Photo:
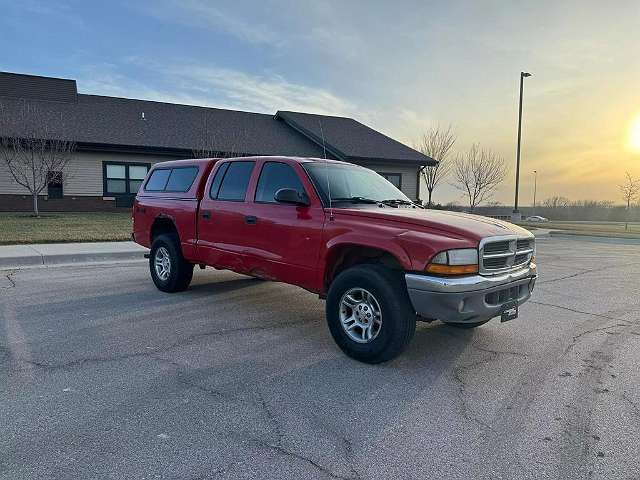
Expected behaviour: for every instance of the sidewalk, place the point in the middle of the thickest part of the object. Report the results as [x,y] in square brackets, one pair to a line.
[12,256]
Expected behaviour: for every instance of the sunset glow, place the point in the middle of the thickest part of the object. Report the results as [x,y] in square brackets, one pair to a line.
[634,134]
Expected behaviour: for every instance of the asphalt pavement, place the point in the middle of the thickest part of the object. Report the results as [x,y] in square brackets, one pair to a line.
[102,376]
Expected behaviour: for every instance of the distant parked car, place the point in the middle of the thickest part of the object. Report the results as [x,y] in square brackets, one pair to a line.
[536,218]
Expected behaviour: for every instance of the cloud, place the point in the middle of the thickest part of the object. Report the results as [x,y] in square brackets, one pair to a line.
[260,92]
[211,86]
[58,13]
[210,16]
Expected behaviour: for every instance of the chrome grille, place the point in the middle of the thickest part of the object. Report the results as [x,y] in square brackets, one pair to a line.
[496,247]
[500,262]
[521,258]
[505,253]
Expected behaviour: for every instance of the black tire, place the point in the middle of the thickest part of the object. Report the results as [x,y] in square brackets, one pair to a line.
[398,317]
[466,326]
[180,272]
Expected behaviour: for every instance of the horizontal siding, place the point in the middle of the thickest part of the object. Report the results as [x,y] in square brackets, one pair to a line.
[408,175]
[83,176]
[84,173]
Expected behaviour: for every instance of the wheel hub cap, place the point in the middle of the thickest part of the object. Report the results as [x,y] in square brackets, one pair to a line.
[162,263]
[360,315]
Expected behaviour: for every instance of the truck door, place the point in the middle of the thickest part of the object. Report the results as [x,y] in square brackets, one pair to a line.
[285,239]
[223,230]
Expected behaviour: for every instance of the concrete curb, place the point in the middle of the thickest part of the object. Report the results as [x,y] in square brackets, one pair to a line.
[16,256]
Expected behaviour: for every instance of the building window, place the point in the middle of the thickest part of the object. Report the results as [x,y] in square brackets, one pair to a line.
[394,178]
[54,185]
[123,178]
[136,176]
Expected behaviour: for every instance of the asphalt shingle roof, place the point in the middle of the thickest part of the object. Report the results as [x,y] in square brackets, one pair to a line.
[93,120]
[349,139]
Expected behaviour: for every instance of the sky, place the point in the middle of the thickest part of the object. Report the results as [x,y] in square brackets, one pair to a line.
[401,67]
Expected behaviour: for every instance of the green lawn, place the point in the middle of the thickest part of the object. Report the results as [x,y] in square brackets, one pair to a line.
[64,227]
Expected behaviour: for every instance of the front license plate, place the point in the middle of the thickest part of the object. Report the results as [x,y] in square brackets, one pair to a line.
[509,311]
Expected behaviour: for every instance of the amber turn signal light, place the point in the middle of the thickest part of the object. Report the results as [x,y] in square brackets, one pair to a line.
[440,269]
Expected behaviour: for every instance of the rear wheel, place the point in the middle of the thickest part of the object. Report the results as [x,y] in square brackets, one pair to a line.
[169,270]
[369,313]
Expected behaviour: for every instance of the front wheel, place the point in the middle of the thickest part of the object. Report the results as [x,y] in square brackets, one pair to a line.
[169,270]
[369,313]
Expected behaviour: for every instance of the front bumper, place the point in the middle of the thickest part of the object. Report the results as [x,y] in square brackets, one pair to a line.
[469,299]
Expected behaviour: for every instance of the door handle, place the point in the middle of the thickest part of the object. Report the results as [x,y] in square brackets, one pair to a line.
[206,214]
[250,220]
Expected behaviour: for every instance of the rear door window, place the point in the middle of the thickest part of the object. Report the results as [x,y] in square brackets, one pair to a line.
[217,180]
[235,182]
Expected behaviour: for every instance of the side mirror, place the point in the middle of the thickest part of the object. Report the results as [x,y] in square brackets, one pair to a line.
[292,197]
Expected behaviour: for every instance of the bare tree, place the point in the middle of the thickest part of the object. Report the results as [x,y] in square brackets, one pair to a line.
[437,144]
[210,142]
[33,152]
[630,190]
[556,202]
[478,173]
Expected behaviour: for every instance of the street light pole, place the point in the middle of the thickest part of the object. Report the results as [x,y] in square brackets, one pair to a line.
[535,188]
[515,207]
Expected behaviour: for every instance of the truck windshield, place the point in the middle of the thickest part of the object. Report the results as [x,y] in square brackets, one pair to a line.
[352,184]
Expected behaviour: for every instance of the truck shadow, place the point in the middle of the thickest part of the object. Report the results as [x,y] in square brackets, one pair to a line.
[223,286]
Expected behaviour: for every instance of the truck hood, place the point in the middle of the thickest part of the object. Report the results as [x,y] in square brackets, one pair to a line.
[463,225]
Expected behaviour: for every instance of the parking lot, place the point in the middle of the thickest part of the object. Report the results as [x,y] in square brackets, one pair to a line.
[103,376]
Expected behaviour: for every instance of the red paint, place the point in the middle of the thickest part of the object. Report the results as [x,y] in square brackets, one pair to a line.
[297,245]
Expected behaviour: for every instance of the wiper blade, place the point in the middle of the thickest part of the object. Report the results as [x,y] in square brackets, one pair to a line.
[399,201]
[355,200]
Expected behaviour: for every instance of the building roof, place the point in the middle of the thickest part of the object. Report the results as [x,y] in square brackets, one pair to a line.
[348,139]
[112,123]
[18,85]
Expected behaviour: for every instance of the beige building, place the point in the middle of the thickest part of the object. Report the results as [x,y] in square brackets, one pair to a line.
[118,139]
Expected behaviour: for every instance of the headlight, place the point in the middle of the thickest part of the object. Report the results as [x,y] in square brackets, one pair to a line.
[454,262]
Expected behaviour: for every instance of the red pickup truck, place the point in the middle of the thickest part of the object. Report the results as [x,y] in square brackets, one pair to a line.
[341,231]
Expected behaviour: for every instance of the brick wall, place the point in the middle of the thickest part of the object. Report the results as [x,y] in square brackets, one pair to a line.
[24,203]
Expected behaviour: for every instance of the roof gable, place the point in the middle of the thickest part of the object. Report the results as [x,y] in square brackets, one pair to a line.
[350,140]
[18,85]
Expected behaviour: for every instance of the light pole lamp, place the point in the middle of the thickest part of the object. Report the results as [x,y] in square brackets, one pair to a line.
[535,188]
[515,207]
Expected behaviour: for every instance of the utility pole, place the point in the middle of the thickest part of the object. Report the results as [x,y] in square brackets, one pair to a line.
[516,213]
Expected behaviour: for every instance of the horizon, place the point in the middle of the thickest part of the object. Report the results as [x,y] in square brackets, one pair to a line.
[581,116]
